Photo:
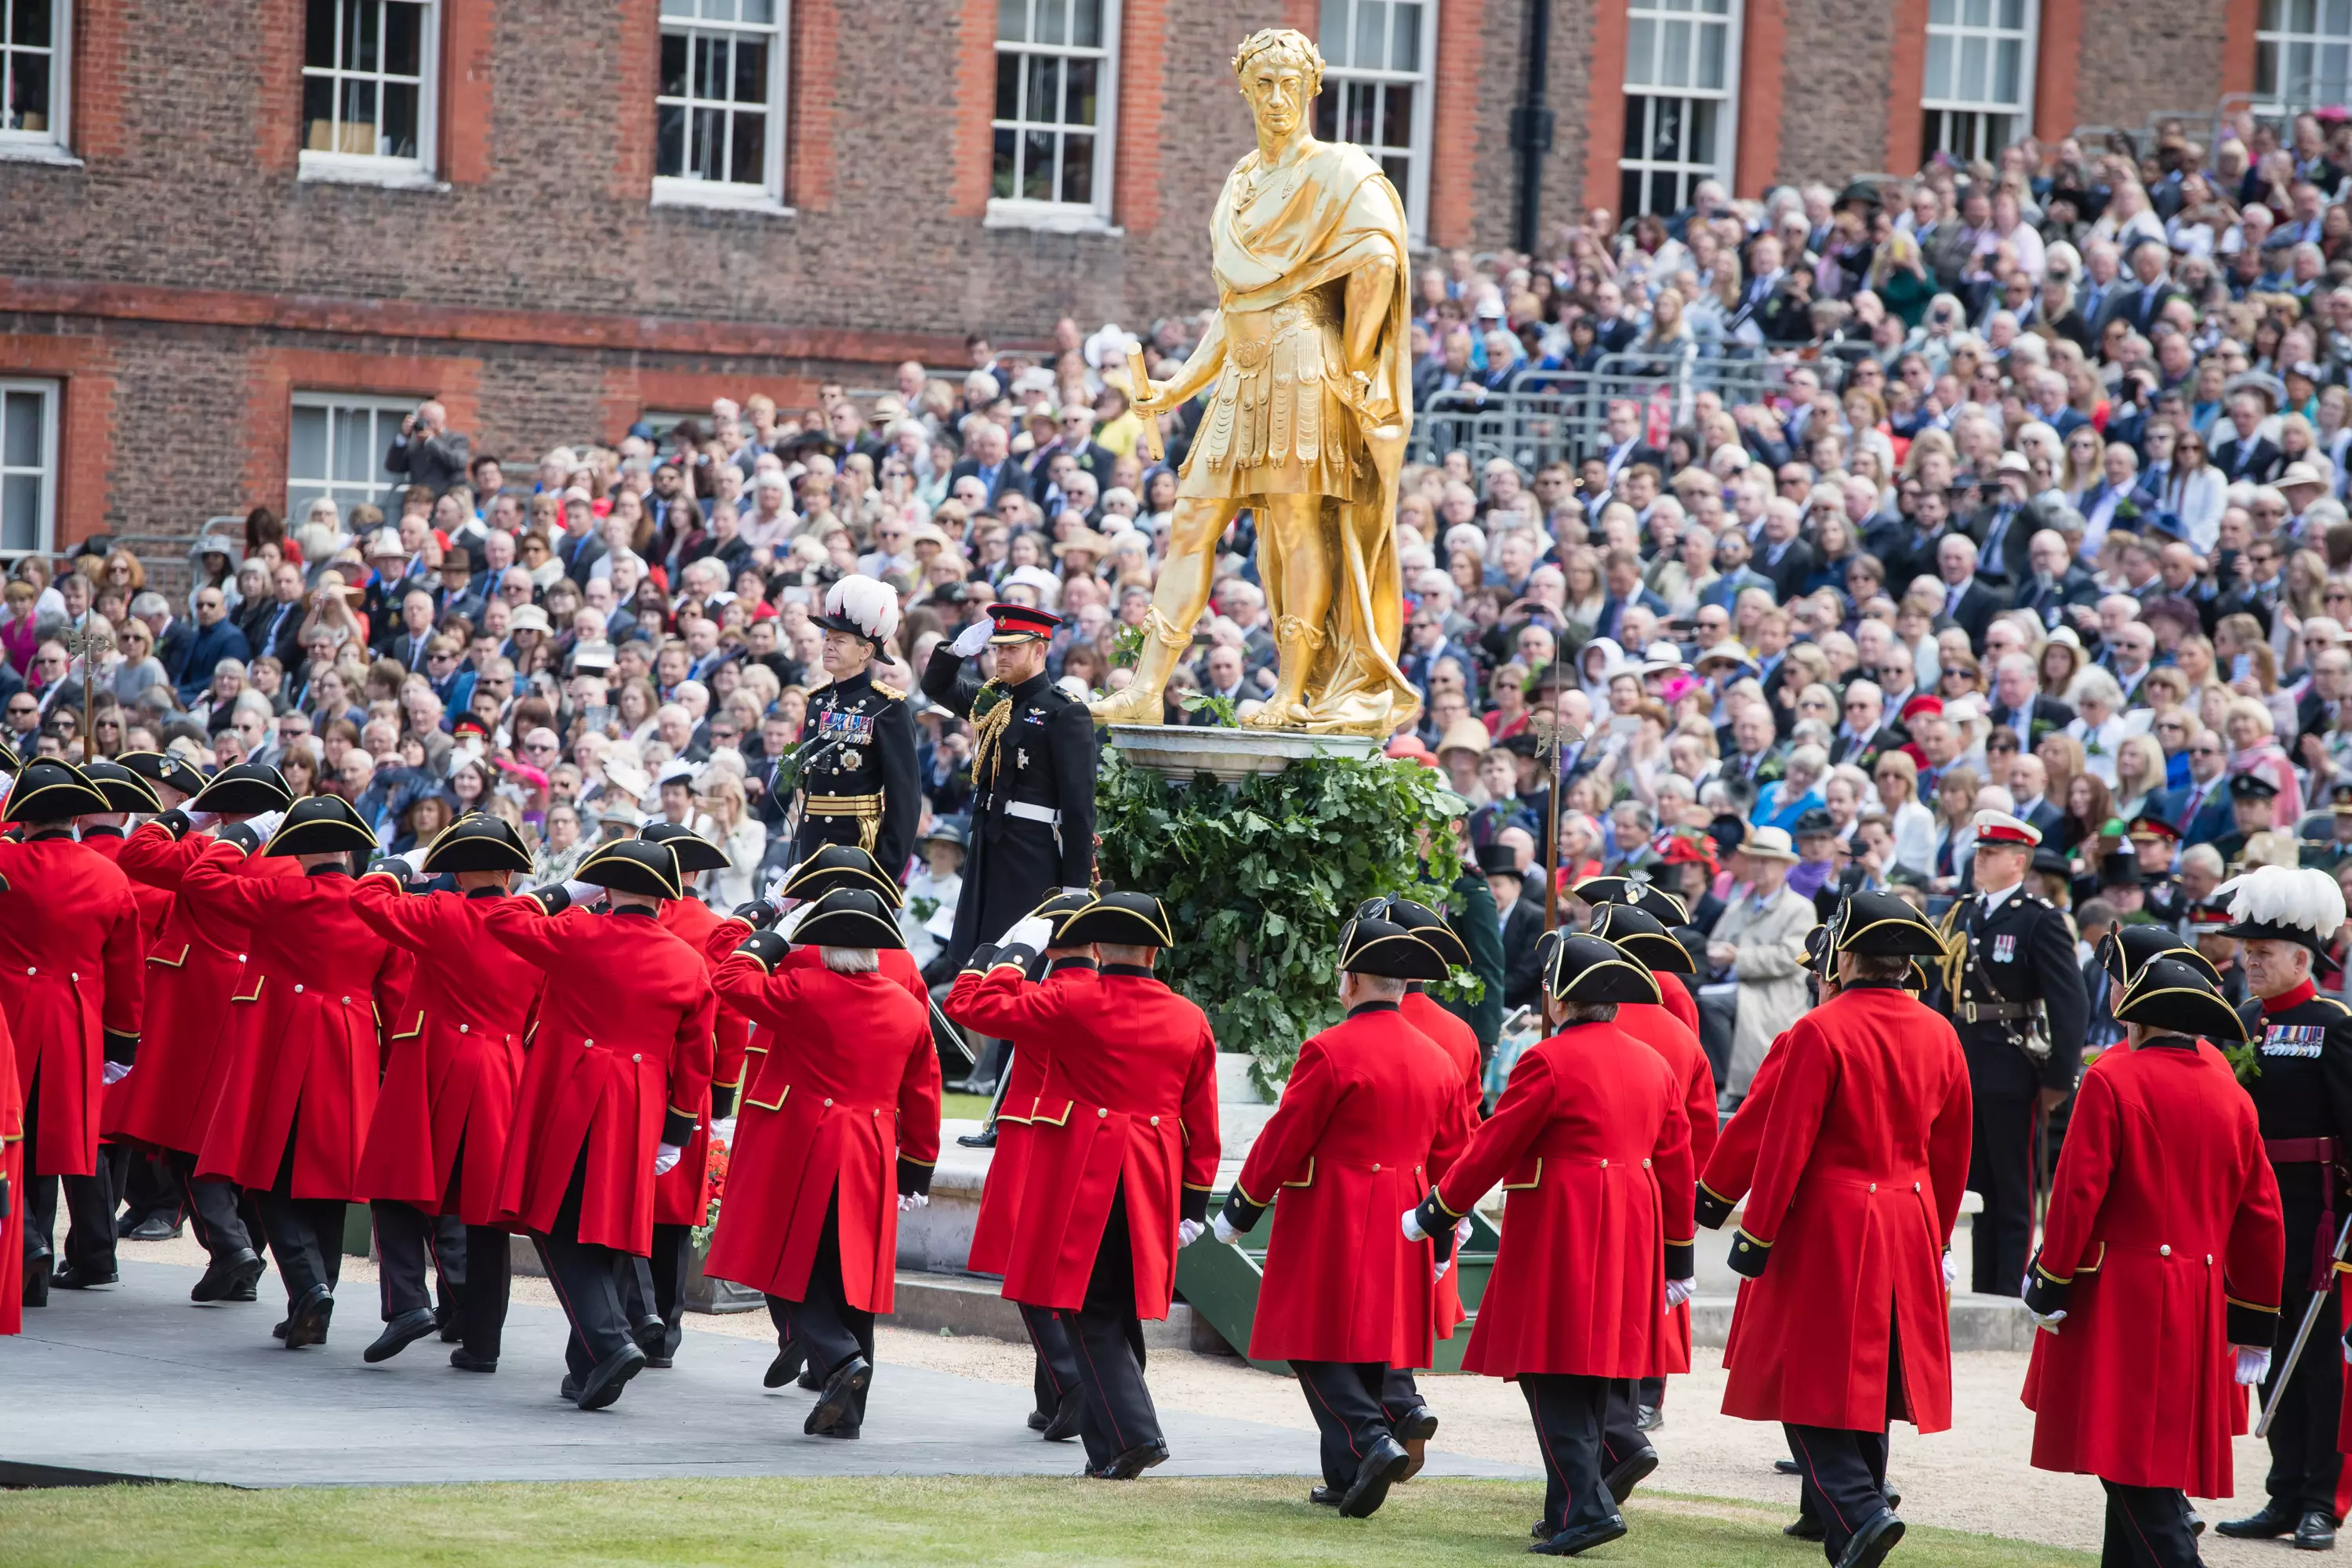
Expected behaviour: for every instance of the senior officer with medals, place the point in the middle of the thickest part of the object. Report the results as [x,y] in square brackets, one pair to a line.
[1372,1114]
[2301,1082]
[2160,1256]
[2013,989]
[854,766]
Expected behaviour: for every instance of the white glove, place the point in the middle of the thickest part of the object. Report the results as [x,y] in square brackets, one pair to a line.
[1462,1230]
[2252,1365]
[910,1201]
[407,866]
[724,1130]
[2048,1324]
[1951,1269]
[1412,1231]
[1439,1272]
[201,821]
[666,1158]
[265,823]
[117,1071]
[582,893]
[1078,891]
[1189,1231]
[1222,1229]
[1032,932]
[6,779]
[1678,1291]
[973,641]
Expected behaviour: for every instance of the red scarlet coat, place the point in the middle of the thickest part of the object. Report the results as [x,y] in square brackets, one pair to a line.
[1675,997]
[2164,1216]
[456,1049]
[1008,1166]
[827,1121]
[1870,1120]
[1130,1104]
[193,966]
[1593,1147]
[1727,1173]
[682,1196]
[620,1055]
[719,941]
[1460,1043]
[155,903]
[305,1030]
[1659,1028]
[72,963]
[1372,1116]
[12,1170]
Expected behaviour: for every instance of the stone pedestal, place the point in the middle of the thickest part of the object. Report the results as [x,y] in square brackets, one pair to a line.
[1180,752]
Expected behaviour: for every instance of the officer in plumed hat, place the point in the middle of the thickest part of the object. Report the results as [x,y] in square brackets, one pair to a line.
[854,768]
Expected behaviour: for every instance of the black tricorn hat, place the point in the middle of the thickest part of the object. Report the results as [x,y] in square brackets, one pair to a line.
[2126,950]
[162,767]
[1648,896]
[1123,919]
[320,825]
[1641,933]
[477,842]
[1882,925]
[850,917]
[634,865]
[123,789]
[2178,998]
[2120,871]
[1424,922]
[839,866]
[245,790]
[1057,909]
[53,791]
[695,853]
[1588,969]
[10,762]
[1369,945]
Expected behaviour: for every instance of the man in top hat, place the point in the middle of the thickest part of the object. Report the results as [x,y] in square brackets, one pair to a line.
[185,1055]
[2143,1336]
[1591,1146]
[620,1059]
[835,1139]
[1125,1146]
[72,992]
[430,1167]
[2014,991]
[2284,919]
[1843,1326]
[304,1035]
[854,766]
[1372,1114]
[1522,924]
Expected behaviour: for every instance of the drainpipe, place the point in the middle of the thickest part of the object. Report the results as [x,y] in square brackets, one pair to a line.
[1531,124]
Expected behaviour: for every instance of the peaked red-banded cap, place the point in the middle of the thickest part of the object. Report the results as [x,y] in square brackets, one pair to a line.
[1022,623]
[1999,828]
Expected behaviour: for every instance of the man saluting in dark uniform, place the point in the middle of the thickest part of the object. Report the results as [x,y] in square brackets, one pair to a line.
[855,761]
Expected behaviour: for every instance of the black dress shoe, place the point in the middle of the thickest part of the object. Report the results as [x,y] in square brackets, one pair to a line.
[1807,1526]
[1380,1469]
[307,1323]
[658,1362]
[402,1331]
[838,1399]
[1894,1497]
[465,1360]
[1634,1469]
[1414,1430]
[74,1276]
[154,1227]
[2270,1523]
[445,1318]
[2316,1532]
[1323,1496]
[1039,1421]
[1067,1419]
[224,1274]
[608,1377]
[984,1138]
[1648,1418]
[1568,1542]
[810,1379]
[651,1335]
[784,1368]
[1872,1543]
[36,1280]
[1132,1463]
[846,1429]
[277,1329]
[1786,1468]
[568,1390]
[1543,1529]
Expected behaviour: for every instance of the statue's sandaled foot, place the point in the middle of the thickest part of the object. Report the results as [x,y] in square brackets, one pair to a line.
[1278,712]
[1135,705]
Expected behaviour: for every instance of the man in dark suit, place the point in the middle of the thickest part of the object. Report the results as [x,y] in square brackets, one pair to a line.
[1625,446]
[2003,530]
[1622,573]
[273,626]
[1780,555]
[217,638]
[457,594]
[2019,706]
[2057,583]
[1970,604]
[989,460]
[2200,809]
[2247,454]
[417,629]
[581,543]
[1522,924]
[173,637]
[1863,731]
[2152,290]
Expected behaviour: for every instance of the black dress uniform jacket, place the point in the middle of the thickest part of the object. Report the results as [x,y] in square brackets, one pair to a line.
[859,739]
[1032,811]
[2023,951]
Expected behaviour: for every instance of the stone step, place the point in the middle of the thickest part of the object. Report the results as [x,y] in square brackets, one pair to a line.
[967,1304]
[1979,1322]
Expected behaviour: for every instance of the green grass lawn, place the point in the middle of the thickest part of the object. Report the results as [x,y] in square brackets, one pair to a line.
[958,1519]
[970,1107]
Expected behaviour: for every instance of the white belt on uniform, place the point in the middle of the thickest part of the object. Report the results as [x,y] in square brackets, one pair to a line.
[1032,812]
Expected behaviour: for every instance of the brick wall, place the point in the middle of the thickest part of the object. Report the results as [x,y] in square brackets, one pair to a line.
[1836,59]
[2176,60]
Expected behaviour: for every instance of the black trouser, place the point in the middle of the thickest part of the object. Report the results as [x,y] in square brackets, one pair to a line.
[823,1320]
[589,1279]
[1567,1411]
[2304,1463]
[305,1234]
[1109,1341]
[1057,1359]
[1719,1019]
[1621,1437]
[2001,1170]
[145,1186]
[1400,1395]
[1844,1478]
[89,1204]
[1344,1397]
[2148,1527]
[1650,1391]
[212,1207]
[408,1241]
[657,1284]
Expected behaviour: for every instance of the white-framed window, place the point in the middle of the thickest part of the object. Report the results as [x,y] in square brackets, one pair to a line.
[1379,64]
[370,90]
[35,79]
[1978,90]
[1056,104]
[718,104]
[2303,55]
[28,467]
[335,447]
[1682,89]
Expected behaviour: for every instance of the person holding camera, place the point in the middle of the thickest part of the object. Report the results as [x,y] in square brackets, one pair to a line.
[427,451]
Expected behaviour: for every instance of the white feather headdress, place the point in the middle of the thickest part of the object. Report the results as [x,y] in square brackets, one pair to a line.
[870,606]
[2302,900]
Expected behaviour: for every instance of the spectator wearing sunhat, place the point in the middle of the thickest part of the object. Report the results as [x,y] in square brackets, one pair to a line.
[1758,945]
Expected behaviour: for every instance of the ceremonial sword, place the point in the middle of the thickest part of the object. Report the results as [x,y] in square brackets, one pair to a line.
[2303,1334]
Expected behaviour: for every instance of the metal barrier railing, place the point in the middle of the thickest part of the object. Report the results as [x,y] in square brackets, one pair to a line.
[1562,415]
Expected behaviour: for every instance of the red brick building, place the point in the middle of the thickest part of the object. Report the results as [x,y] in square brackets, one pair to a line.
[237,240]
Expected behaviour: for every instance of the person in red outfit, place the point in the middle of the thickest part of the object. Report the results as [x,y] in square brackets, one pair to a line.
[1668,912]
[1591,1146]
[1125,1150]
[1372,1114]
[193,969]
[838,1133]
[439,1136]
[1847,1328]
[12,1189]
[2161,1256]
[72,990]
[306,1035]
[613,1070]
[1060,1399]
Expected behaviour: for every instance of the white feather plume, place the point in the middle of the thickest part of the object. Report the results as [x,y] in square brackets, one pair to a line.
[2286,896]
[871,606]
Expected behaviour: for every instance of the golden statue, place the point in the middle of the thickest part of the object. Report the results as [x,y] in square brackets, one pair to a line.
[1312,400]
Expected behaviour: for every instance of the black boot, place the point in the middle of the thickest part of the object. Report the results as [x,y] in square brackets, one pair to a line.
[2274,1519]
[227,1274]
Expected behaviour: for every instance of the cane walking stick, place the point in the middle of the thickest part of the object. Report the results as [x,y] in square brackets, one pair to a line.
[2302,1333]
